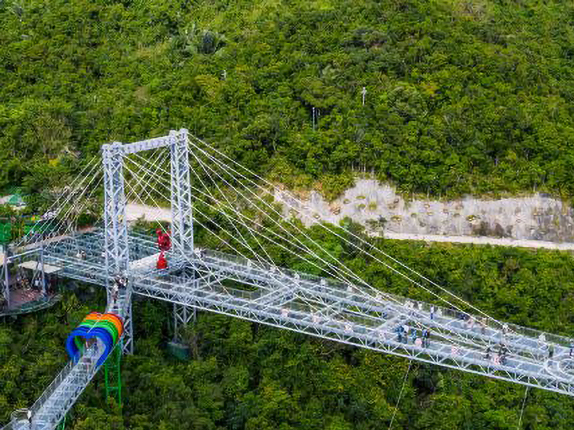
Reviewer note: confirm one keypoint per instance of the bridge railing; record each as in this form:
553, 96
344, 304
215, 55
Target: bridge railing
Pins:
530, 335
56, 382
416, 306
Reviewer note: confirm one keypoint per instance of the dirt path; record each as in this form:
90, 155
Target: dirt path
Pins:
149, 213
482, 240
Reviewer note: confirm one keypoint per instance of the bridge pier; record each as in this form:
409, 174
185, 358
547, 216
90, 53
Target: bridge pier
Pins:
6, 275
182, 316
128, 338
113, 375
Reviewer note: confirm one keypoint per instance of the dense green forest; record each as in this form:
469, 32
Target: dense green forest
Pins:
247, 376
462, 95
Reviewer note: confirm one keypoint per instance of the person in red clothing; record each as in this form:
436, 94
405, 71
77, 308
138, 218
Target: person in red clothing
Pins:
161, 262
163, 240
164, 244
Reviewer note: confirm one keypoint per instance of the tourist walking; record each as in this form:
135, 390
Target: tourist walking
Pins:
426, 339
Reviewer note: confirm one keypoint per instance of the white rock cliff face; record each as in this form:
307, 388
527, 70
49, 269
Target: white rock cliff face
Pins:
381, 209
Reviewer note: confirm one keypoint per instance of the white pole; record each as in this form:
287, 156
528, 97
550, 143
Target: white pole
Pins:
6, 276
313, 118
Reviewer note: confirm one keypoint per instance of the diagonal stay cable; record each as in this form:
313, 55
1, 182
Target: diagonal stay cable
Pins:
483, 342
229, 168
63, 219
399, 311
74, 208
304, 247
400, 395
274, 276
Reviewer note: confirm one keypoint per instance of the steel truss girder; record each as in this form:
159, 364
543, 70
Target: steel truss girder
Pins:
323, 293
348, 333
62, 393
182, 316
371, 310
344, 314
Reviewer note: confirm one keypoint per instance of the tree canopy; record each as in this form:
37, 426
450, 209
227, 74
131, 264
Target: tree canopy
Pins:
462, 96
247, 376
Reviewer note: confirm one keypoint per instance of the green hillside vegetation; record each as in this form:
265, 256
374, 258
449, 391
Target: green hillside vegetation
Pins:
462, 95
247, 376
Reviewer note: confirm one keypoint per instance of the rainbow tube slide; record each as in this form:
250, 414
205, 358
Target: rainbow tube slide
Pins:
105, 328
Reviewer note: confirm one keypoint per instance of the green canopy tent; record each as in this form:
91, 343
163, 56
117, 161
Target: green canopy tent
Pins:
5, 232
15, 200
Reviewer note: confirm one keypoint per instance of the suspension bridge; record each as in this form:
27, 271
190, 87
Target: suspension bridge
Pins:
233, 273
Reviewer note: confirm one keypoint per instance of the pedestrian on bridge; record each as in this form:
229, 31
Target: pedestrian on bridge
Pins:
542, 341
426, 338
504, 333
400, 330
413, 336
496, 359
409, 305
406, 329
115, 291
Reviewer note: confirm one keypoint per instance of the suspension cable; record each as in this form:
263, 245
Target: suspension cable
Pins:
400, 395
351, 233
